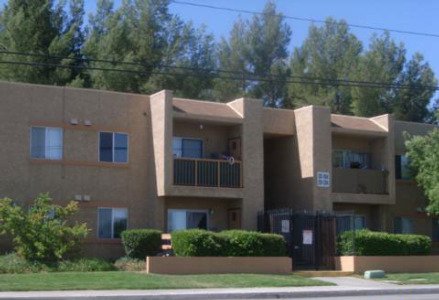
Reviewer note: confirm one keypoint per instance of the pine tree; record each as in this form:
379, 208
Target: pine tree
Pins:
383, 63
329, 53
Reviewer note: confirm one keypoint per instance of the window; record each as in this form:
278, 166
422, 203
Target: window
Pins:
350, 159
113, 147
350, 222
323, 179
403, 225
180, 219
402, 167
111, 222
46, 142
183, 147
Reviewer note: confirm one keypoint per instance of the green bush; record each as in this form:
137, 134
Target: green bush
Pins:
197, 242
369, 243
130, 264
13, 263
85, 265
41, 232
252, 243
139, 243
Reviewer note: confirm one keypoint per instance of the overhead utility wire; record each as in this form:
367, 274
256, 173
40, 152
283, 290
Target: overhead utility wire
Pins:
243, 75
258, 79
303, 19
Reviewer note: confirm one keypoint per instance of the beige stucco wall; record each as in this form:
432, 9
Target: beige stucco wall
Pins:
79, 172
218, 265
390, 264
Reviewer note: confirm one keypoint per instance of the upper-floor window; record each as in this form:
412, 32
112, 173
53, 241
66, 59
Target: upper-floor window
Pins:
113, 147
350, 159
186, 147
46, 142
402, 167
111, 222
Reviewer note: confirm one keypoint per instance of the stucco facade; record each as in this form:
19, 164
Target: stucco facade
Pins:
277, 157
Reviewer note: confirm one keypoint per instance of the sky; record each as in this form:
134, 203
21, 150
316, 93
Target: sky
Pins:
410, 15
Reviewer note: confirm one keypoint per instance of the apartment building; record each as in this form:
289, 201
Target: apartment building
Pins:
136, 161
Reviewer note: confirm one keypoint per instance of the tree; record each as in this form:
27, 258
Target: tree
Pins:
42, 28
41, 232
412, 100
256, 50
383, 63
423, 152
329, 53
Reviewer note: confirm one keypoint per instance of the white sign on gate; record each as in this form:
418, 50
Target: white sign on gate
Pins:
307, 237
285, 226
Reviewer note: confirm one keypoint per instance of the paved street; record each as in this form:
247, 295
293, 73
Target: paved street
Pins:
388, 297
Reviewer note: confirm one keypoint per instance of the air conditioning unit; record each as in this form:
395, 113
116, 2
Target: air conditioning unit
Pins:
78, 197
87, 123
86, 198
74, 121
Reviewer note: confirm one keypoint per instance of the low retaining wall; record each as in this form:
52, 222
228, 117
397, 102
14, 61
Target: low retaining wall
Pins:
391, 264
218, 265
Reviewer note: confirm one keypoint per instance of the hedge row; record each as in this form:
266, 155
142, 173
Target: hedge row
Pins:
370, 243
139, 243
196, 242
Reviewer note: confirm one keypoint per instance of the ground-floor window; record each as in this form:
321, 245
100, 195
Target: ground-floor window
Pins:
350, 222
179, 219
403, 225
111, 222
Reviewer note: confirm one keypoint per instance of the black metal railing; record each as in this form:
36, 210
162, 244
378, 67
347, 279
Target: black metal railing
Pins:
207, 172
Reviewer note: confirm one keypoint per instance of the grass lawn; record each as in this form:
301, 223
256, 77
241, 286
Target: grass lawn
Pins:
413, 278
132, 280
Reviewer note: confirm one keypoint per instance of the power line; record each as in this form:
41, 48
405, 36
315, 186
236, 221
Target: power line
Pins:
242, 75
257, 79
303, 19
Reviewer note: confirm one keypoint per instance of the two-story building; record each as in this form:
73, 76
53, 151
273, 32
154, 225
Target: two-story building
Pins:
137, 161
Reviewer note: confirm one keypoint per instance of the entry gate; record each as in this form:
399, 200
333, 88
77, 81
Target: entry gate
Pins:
311, 237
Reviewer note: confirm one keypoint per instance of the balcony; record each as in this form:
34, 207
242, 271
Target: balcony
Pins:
207, 173
359, 181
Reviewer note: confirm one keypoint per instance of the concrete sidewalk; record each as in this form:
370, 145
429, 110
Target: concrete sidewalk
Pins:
348, 286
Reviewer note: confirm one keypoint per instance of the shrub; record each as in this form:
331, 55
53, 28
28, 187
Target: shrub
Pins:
139, 243
130, 264
197, 242
252, 243
13, 263
85, 265
369, 243
41, 232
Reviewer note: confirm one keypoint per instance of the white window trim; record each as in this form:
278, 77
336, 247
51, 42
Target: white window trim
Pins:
113, 134
45, 128
188, 210
112, 222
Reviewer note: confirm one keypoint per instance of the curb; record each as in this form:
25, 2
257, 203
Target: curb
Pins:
181, 295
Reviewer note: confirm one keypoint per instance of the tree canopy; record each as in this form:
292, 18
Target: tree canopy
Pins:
423, 152
141, 46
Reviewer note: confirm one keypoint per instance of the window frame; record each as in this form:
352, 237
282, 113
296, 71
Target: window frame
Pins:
181, 138
45, 130
113, 134
112, 222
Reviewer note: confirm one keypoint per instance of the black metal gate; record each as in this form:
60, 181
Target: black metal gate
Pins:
311, 236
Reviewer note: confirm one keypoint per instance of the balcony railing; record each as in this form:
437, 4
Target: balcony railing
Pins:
207, 172
359, 181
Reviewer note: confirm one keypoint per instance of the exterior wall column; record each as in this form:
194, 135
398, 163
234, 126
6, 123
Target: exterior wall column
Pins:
252, 142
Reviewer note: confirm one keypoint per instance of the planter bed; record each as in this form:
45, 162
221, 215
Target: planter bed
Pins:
218, 265
391, 264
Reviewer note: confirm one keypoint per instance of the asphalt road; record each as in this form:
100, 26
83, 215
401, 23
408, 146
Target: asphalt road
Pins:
381, 297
